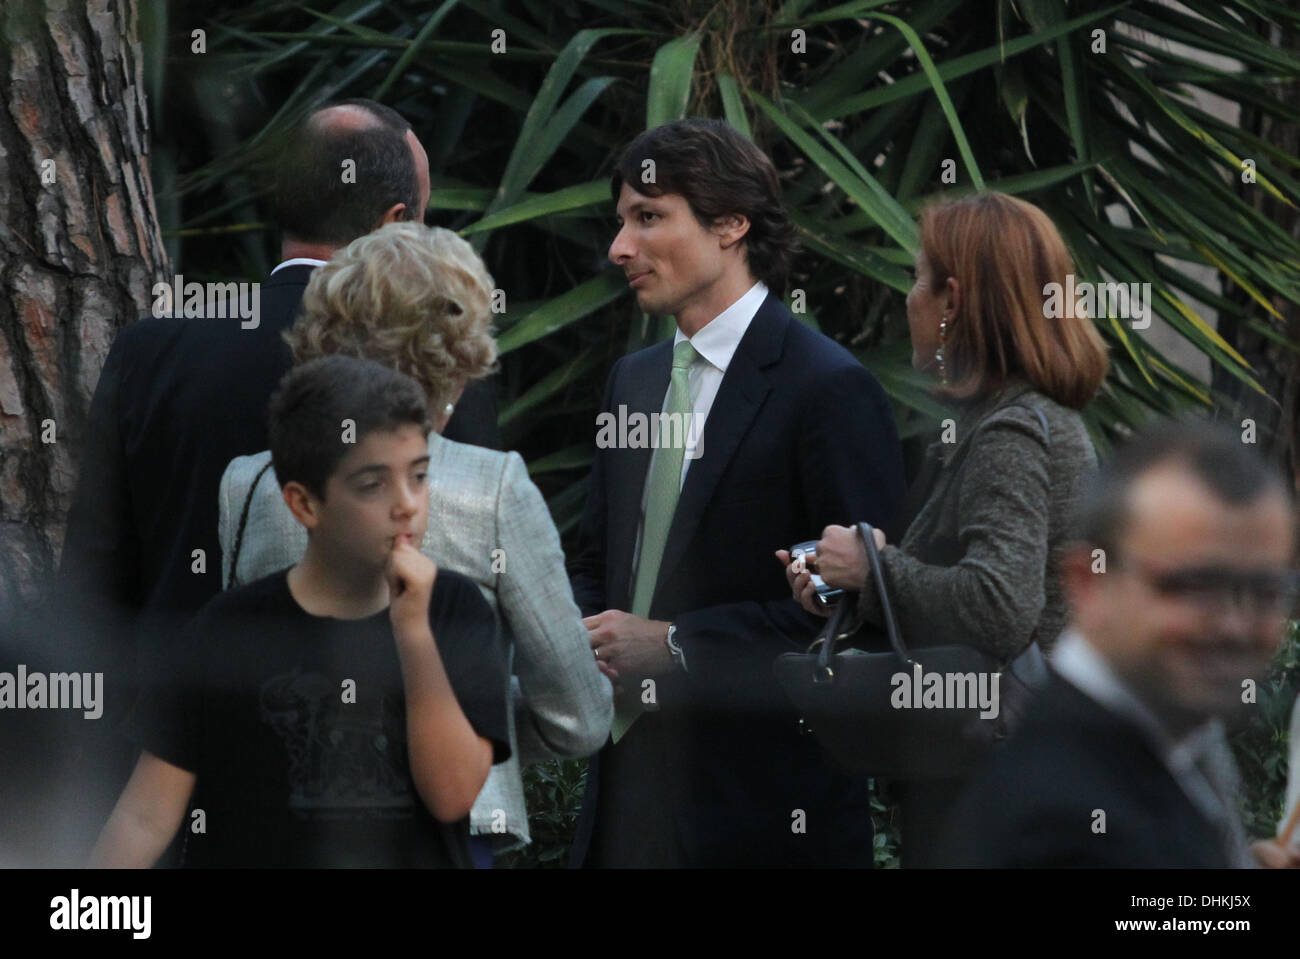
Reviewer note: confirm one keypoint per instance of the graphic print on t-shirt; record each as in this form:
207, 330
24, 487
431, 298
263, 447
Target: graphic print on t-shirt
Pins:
346, 760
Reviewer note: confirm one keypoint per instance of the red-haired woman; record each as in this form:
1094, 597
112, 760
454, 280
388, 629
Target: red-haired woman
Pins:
988, 517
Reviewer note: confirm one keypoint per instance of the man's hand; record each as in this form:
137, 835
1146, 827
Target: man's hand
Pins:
1271, 854
627, 645
410, 577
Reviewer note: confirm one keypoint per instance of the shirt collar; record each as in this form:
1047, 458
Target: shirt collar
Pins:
1079, 662
718, 340
298, 261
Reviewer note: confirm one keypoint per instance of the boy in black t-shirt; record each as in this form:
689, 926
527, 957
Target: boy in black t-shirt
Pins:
342, 712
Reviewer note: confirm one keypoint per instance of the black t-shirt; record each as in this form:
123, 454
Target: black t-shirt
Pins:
295, 726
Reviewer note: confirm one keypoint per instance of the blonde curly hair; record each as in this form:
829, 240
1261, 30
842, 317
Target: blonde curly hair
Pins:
414, 298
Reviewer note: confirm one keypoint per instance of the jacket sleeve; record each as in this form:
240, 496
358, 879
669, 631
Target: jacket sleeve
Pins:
993, 597
567, 705
587, 570
100, 573
852, 470
228, 517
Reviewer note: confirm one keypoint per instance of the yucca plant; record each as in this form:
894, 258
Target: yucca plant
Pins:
1118, 118
1093, 110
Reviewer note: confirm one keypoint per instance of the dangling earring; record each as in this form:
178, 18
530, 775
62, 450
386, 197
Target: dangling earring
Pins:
938, 354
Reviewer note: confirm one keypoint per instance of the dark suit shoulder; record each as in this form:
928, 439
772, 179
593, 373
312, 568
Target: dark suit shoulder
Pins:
1077, 786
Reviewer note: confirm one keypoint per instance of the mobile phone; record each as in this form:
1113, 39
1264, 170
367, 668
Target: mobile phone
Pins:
825, 594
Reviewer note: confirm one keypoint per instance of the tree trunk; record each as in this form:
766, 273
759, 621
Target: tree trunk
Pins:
80, 250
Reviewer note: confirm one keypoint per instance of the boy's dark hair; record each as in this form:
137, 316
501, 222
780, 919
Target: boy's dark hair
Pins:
1212, 453
312, 201
306, 414
718, 171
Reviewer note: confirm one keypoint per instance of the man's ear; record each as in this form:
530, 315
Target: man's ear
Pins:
302, 503
394, 214
1081, 567
731, 229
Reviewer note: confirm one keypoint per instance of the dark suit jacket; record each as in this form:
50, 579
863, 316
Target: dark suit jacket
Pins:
177, 399
1034, 804
799, 436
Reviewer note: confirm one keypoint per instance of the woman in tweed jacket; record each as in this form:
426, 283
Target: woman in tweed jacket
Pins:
989, 516
417, 299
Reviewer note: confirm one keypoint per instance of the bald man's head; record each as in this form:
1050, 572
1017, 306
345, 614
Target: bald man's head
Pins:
347, 169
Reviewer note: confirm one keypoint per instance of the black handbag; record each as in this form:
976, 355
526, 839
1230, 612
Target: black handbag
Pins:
886, 714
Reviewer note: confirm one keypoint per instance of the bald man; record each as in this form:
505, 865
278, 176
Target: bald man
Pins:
180, 395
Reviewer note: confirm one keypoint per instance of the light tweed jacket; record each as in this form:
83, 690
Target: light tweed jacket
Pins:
479, 500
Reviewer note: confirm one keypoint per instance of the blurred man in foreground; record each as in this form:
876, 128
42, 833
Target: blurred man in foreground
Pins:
1179, 594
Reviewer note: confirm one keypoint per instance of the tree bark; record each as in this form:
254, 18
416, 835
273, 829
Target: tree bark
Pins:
80, 250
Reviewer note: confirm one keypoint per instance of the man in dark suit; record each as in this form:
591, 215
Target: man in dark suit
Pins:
184, 391
179, 396
685, 608
1179, 592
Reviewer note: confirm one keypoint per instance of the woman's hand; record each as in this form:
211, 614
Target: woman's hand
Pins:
842, 557
801, 586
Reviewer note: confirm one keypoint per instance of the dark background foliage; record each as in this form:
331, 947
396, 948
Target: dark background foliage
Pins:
1136, 147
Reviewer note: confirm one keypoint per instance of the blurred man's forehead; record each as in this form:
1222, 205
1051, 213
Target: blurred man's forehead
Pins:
1175, 515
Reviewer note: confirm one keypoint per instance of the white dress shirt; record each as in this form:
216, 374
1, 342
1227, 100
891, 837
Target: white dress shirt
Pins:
1186, 757
298, 261
716, 343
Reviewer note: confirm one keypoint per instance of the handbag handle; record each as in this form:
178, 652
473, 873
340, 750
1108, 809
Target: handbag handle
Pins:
835, 630
243, 521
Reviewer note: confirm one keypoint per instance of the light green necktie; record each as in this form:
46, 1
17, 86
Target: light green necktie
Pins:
664, 486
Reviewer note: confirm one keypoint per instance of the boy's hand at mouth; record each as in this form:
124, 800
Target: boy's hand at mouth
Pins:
410, 576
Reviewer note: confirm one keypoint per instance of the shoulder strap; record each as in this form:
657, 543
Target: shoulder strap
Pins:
232, 580
1042, 419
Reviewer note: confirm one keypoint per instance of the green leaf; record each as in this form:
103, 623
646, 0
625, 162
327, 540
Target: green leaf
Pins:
956, 67
733, 107
544, 204
848, 175
414, 49
670, 80
559, 379
940, 91
585, 298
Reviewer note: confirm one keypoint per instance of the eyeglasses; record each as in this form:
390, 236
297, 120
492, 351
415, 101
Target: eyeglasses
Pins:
1213, 588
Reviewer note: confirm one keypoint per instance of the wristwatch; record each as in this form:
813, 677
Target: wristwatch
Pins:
674, 650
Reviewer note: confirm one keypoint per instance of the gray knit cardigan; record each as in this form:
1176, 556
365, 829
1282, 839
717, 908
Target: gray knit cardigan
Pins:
979, 563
